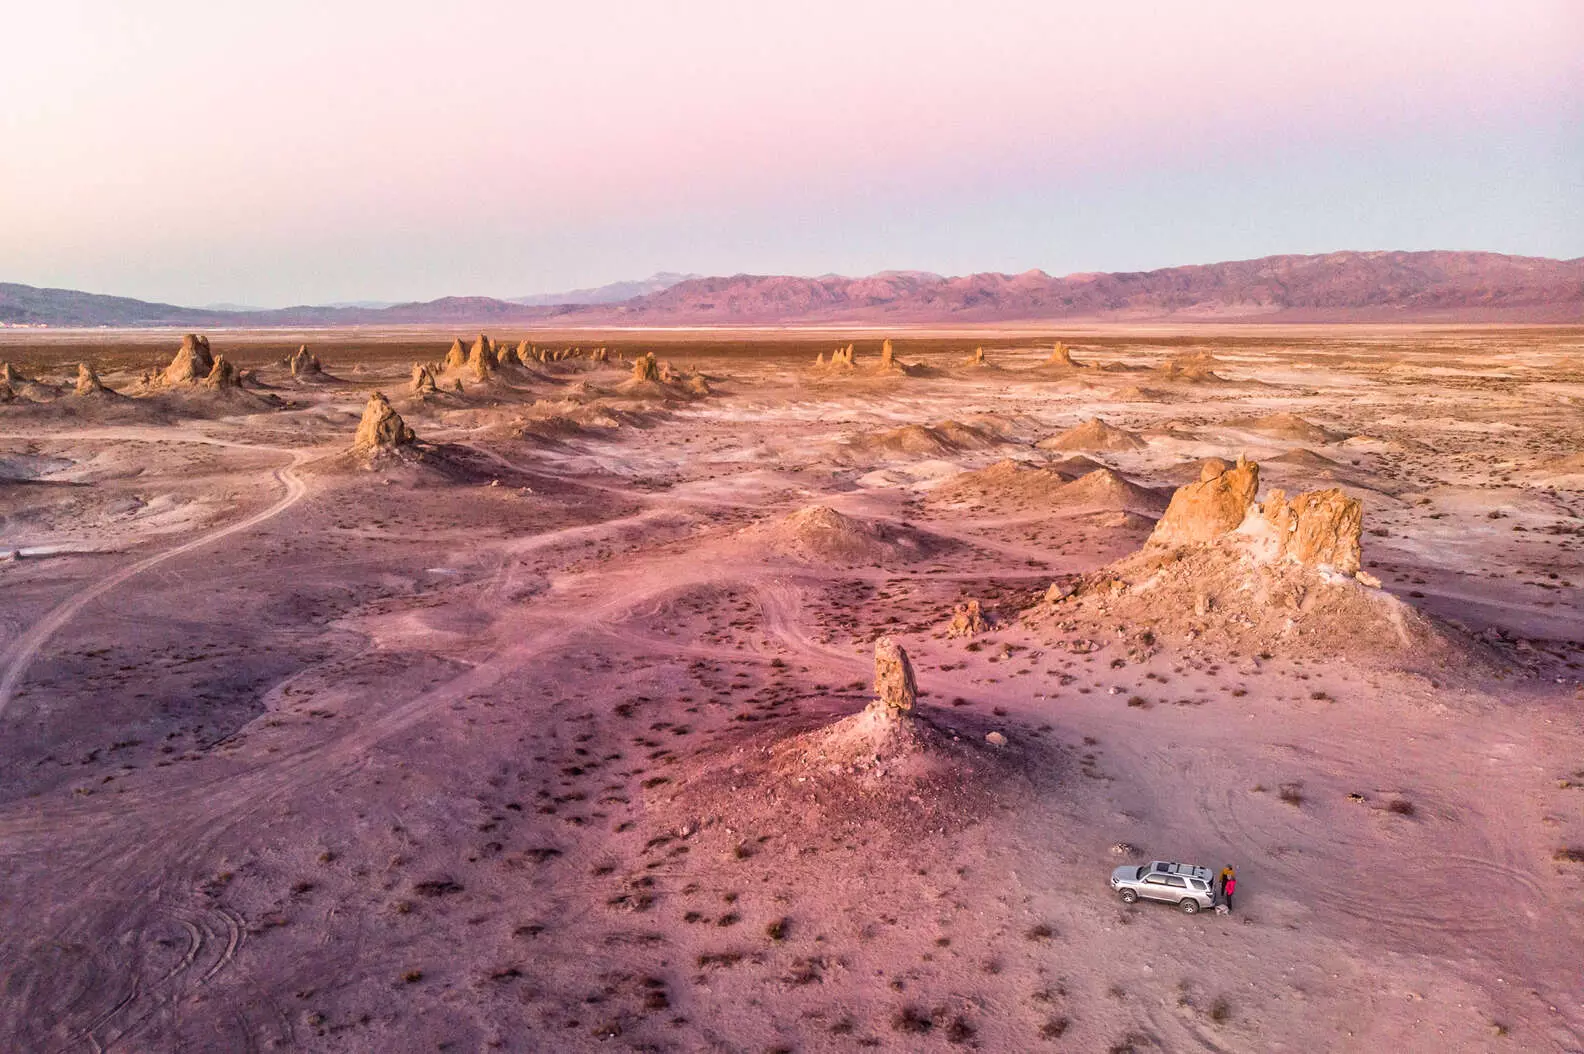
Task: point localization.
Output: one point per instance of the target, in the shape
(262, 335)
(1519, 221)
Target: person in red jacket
(1229, 886)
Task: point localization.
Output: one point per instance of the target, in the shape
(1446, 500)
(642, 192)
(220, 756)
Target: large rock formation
(423, 382)
(977, 358)
(382, 430)
(1321, 528)
(645, 368)
(11, 377)
(887, 355)
(304, 363)
(1061, 356)
(1203, 511)
(88, 381)
(895, 688)
(457, 356)
(841, 358)
(481, 360)
(192, 364)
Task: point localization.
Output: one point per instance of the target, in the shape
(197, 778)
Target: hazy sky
(309, 152)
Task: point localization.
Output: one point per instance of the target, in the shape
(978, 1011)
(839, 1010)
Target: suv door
(1157, 887)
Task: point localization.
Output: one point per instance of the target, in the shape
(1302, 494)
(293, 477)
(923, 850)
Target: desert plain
(533, 706)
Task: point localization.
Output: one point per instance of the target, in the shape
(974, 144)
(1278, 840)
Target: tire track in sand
(21, 654)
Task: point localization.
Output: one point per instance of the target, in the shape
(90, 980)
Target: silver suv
(1186, 885)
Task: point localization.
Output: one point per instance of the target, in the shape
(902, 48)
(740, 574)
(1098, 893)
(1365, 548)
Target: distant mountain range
(614, 293)
(1334, 287)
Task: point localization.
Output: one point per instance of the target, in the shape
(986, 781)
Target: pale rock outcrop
(423, 382)
(382, 430)
(967, 620)
(896, 691)
(1061, 355)
(1318, 528)
(819, 361)
(193, 362)
(304, 363)
(525, 352)
(481, 360)
(1203, 511)
(222, 375)
(977, 358)
(88, 381)
(10, 376)
(842, 357)
(645, 368)
(457, 356)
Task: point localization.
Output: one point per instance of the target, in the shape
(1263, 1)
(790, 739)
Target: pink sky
(296, 151)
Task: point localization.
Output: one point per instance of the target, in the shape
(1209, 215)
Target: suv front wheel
(1189, 906)
(1129, 896)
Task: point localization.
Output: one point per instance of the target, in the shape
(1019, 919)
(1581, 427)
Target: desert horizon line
(671, 278)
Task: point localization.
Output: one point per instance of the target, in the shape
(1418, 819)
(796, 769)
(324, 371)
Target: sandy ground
(480, 751)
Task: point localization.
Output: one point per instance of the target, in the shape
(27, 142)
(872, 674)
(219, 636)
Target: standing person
(1229, 886)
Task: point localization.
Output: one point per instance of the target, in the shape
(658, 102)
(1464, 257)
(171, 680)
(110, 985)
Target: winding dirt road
(22, 652)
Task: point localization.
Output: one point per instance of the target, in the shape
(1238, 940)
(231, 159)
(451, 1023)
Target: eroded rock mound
(481, 361)
(896, 690)
(304, 363)
(823, 535)
(456, 357)
(1203, 511)
(976, 359)
(1319, 529)
(968, 620)
(1061, 356)
(1094, 434)
(222, 375)
(1197, 368)
(645, 368)
(935, 440)
(382, 429)
(423, 382)
(192, 364)
(88, 381)
(1289, 426)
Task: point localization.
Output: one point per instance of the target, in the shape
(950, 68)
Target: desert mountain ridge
(1433, 286)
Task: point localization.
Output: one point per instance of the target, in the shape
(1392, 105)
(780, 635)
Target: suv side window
(1176, 882)
(1155, 880)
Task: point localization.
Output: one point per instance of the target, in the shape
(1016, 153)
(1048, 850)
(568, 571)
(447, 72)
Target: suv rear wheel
(1189, 906)
(1129, 896)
